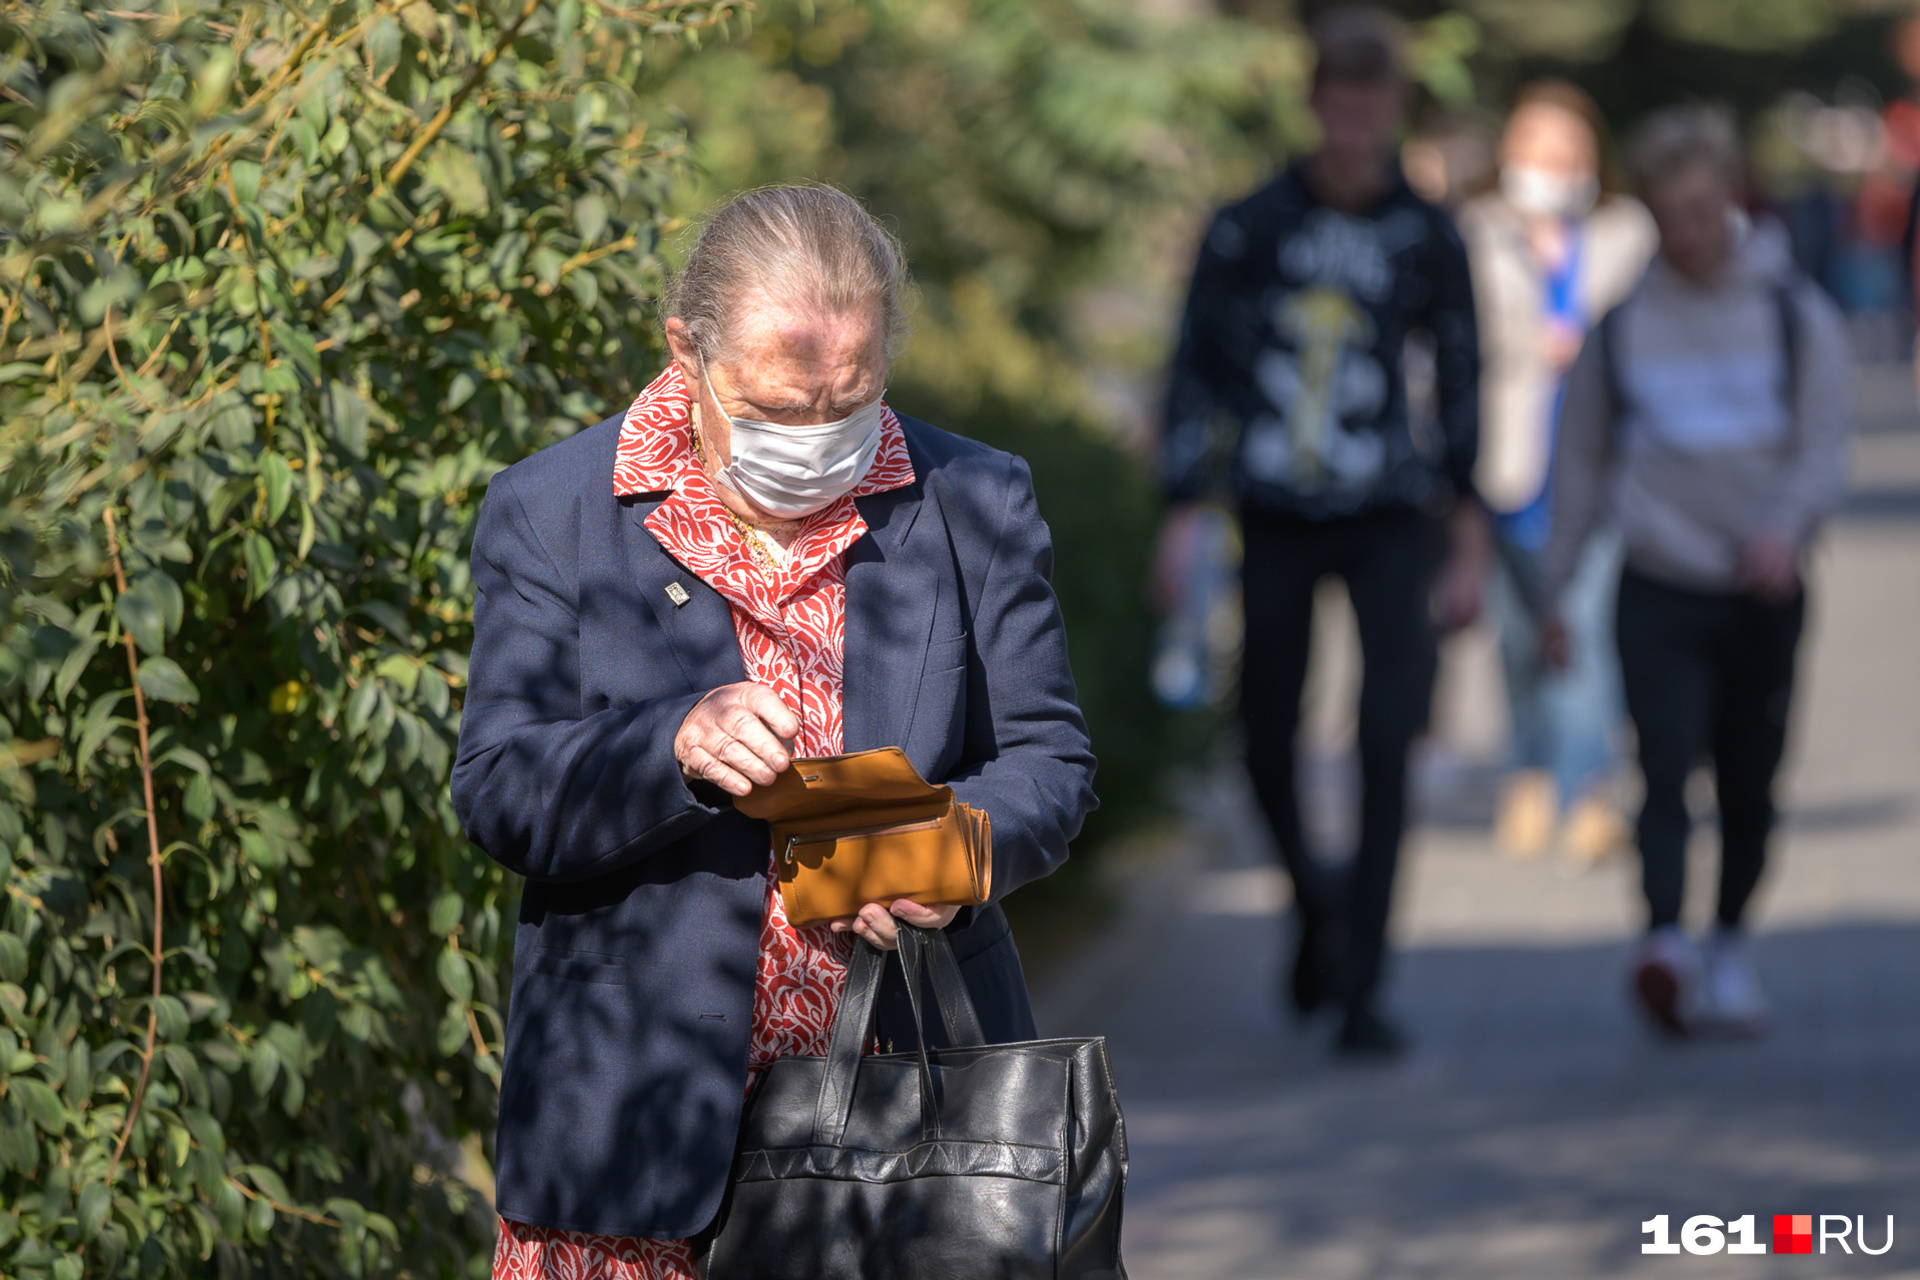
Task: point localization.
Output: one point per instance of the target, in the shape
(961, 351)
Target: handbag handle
(852, 1028)
(934, 949)
(853, 1022)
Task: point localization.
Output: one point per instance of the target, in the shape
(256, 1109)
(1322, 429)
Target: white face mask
(792, 472)
(1543, 193)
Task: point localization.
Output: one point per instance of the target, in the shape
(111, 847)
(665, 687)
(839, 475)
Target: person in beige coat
(1553, 248)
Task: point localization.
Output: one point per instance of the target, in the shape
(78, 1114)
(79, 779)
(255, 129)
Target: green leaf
(246, 180)
(95, 1199)
(268, 1181)
(231, 1208)
(455, 173)
(179, 1145)
(263, 1064)
(162, 678)
(453, 1029)
(390, 618)
(307, 532)
(42, 1104)
(13, 958)
(383, 46)
(205, 1130)
(259, 1220)
(143, 614)
(72, 667)
(347, 417)
(361, 706)
(456, 978)
(590, 219)
(186, 1069)
(197, 800)
(257, 552)
(461, 389)
(172, 1018)
(79, 1085)
(99, 723)
(278, 478)
(442, 918)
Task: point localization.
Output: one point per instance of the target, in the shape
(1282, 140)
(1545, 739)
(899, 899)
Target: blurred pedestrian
(1553, 249)
(1290, 357)
(1714, 406)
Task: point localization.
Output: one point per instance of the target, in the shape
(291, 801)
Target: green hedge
(279, 290)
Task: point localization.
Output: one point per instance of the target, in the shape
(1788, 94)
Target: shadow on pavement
(1533, 1130)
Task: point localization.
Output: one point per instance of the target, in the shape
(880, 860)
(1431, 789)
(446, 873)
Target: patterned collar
(655, 452)
(655, 455)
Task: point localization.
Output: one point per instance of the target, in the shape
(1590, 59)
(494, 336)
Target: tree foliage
(280, 288)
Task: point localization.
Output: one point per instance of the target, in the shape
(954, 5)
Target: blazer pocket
(945, 655)
(580, 966)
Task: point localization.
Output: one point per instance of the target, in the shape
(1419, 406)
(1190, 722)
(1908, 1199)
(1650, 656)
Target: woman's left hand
(876, 924)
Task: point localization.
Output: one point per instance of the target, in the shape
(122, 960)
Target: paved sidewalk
(1536, 1126)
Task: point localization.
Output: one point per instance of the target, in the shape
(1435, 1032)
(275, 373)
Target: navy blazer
(626, 1052)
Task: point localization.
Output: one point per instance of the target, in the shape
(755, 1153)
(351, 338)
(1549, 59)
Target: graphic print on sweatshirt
(1288, 380)
(1327, 386)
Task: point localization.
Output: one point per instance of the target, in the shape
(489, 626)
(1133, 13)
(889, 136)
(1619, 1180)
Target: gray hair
(811, 247)
(1675, 138)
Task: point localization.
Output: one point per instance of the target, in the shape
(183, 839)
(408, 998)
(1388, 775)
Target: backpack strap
(1789, 313)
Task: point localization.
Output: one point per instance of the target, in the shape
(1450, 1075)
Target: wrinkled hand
(738, 737)
(875, 922)
(1770, 568)
(1556, 644)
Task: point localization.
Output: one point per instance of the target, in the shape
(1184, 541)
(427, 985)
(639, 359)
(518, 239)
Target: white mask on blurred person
(792, 472)
(1544, 193)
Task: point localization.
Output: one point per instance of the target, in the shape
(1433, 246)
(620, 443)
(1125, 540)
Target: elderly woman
(758, 561)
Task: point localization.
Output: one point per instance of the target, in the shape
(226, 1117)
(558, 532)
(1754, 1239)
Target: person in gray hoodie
(1710, 413)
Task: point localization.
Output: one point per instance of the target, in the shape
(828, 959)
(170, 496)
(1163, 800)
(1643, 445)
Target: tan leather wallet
(866, 827)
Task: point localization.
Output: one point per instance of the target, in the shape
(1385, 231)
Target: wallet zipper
(885, 828)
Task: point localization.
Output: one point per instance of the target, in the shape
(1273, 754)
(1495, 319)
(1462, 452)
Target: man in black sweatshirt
(1289, 386)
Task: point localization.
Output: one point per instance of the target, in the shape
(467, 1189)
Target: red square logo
(1793, 1233)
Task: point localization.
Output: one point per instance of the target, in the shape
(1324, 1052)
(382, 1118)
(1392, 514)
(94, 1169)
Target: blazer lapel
(890, 608)
(695, 619)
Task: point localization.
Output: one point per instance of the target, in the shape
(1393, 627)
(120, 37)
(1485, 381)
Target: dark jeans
(1386, 561)
(1706, 676)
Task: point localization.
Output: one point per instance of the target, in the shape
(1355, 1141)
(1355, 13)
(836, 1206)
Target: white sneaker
(1666, 978)
(1732, 1000)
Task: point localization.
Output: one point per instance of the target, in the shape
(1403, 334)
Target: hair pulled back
(803, 246)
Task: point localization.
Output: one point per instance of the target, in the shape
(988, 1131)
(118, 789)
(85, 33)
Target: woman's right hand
(738, 737)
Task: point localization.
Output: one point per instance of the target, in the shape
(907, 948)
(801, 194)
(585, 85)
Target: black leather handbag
(979, 1162)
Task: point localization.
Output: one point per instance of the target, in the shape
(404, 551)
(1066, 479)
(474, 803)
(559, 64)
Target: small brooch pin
(677, 594)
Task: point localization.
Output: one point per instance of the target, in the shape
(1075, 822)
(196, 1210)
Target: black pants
(1706, 676)
(1386, 561)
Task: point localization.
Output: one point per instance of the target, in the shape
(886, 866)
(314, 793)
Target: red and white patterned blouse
(791, 626)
